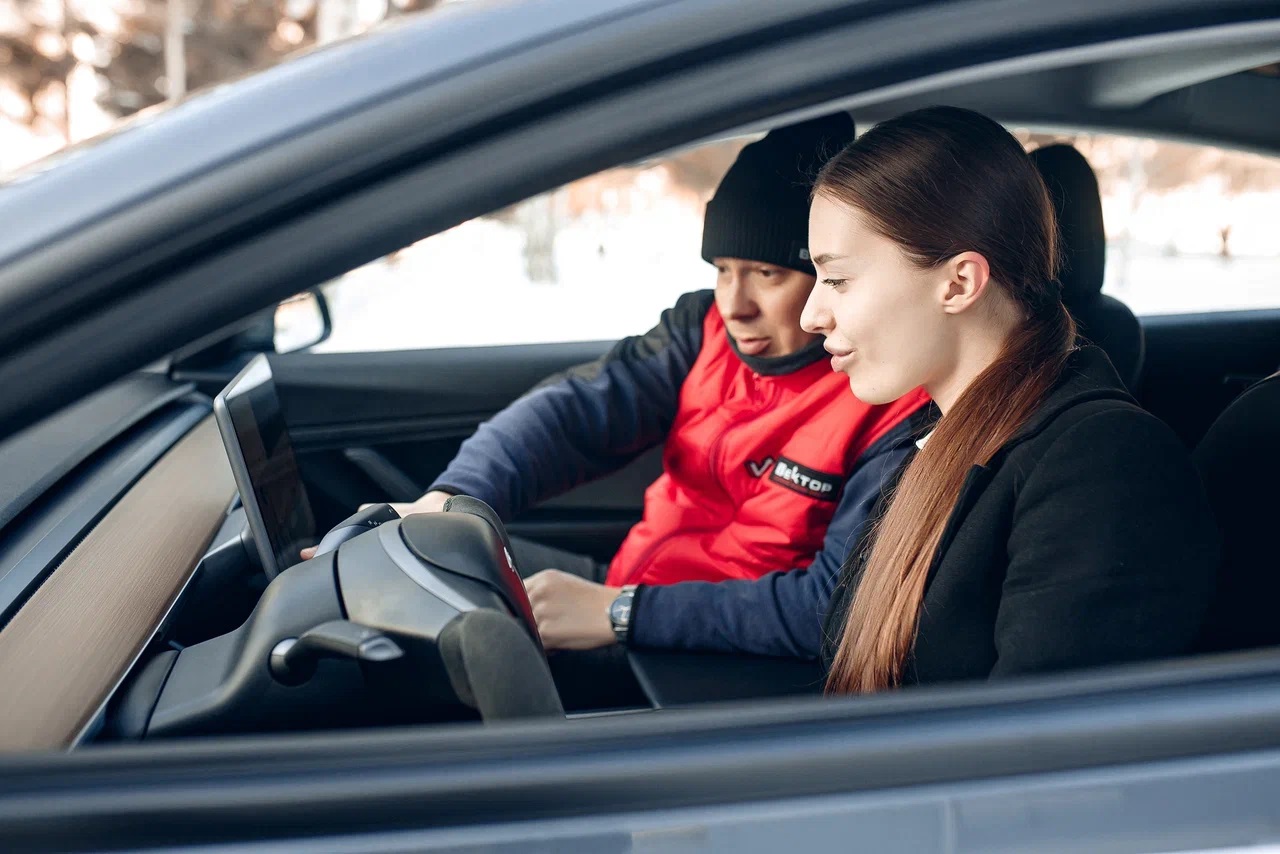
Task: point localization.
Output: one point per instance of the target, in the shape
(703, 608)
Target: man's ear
(966, 278)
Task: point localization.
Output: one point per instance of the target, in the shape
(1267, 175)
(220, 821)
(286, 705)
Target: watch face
(620, 610)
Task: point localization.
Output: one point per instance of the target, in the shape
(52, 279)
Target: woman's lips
(840, 359)
(752, 346)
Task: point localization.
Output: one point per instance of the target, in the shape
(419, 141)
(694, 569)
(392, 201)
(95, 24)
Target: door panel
(1174, 758)
(382, 426)
(1197, 363)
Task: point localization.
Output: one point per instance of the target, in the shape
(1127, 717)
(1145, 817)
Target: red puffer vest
(753, 469)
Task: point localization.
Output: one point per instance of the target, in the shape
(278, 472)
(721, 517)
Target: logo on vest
(806, 481)
(759, 469)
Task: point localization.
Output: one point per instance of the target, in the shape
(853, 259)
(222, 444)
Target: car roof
(1205, 93)
(1199, 87)
(164, 146)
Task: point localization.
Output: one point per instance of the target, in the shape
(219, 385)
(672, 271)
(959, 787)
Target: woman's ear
(967, 276)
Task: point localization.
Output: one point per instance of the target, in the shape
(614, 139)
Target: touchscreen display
(265, 468)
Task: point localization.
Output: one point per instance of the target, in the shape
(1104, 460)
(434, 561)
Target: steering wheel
(415, 613)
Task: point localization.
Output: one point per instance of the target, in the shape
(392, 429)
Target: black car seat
(1239, 461)
(1102, 319)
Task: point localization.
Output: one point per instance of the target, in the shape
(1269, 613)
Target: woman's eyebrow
(828, 257)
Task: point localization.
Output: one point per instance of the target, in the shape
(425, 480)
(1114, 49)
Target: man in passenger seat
(770, 466)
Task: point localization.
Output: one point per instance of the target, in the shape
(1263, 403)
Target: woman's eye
(834, 283)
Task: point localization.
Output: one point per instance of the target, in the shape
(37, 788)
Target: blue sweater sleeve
(780, 613)
(585, 423)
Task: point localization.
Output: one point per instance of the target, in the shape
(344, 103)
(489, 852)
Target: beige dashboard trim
(70, 644)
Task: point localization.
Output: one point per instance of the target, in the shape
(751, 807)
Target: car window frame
(238, 789)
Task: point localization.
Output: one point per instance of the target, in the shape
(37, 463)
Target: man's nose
(737, 302)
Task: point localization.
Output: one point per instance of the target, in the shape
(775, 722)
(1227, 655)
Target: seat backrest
(1239, 461)
(1103, 320)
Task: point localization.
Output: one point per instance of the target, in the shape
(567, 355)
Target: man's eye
(768, 274)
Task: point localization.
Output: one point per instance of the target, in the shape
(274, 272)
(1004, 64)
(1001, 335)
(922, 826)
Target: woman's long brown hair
(938, 182)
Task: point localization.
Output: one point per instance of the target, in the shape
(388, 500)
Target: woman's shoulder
(1090, 407)
(1106, 419)
(1102, 416)
(1110, 469)
(1115, 445)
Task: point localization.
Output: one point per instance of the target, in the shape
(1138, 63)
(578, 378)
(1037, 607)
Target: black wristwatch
(620, 613)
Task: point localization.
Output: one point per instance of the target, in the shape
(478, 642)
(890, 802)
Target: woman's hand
(572, 613)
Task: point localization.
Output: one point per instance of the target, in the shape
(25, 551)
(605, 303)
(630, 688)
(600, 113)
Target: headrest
(1078, 205)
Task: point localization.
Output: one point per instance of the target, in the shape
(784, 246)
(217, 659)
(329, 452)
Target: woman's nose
(815, 318)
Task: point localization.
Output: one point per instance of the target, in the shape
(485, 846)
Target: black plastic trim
(386, 431)
(674, 679)
(405, 389)
(1210, 319)
(52, 449)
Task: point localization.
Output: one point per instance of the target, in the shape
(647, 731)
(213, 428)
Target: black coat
(1086, 540)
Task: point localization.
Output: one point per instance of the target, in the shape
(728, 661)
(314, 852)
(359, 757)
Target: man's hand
(432, 502)
(572, 613)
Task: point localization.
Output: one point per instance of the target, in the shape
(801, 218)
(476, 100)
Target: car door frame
(622, 776)
(604, 783)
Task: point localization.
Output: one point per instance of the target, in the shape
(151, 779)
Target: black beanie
(760, 211)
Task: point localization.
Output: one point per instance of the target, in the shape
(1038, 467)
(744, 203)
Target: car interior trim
(65, 650)
(99, 492)
(32, 461)
(1147, 57)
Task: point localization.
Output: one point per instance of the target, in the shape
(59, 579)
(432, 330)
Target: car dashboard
(133, 604)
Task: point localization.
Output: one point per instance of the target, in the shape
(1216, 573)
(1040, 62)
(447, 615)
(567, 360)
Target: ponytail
(880, 628)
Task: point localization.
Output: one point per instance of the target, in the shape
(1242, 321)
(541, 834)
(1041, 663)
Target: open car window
(1188, 231)
(591, 261)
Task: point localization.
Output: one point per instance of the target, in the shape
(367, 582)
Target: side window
(1190, 228)
(597, 259)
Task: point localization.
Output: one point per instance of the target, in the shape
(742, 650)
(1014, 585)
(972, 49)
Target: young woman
(1046, 522)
